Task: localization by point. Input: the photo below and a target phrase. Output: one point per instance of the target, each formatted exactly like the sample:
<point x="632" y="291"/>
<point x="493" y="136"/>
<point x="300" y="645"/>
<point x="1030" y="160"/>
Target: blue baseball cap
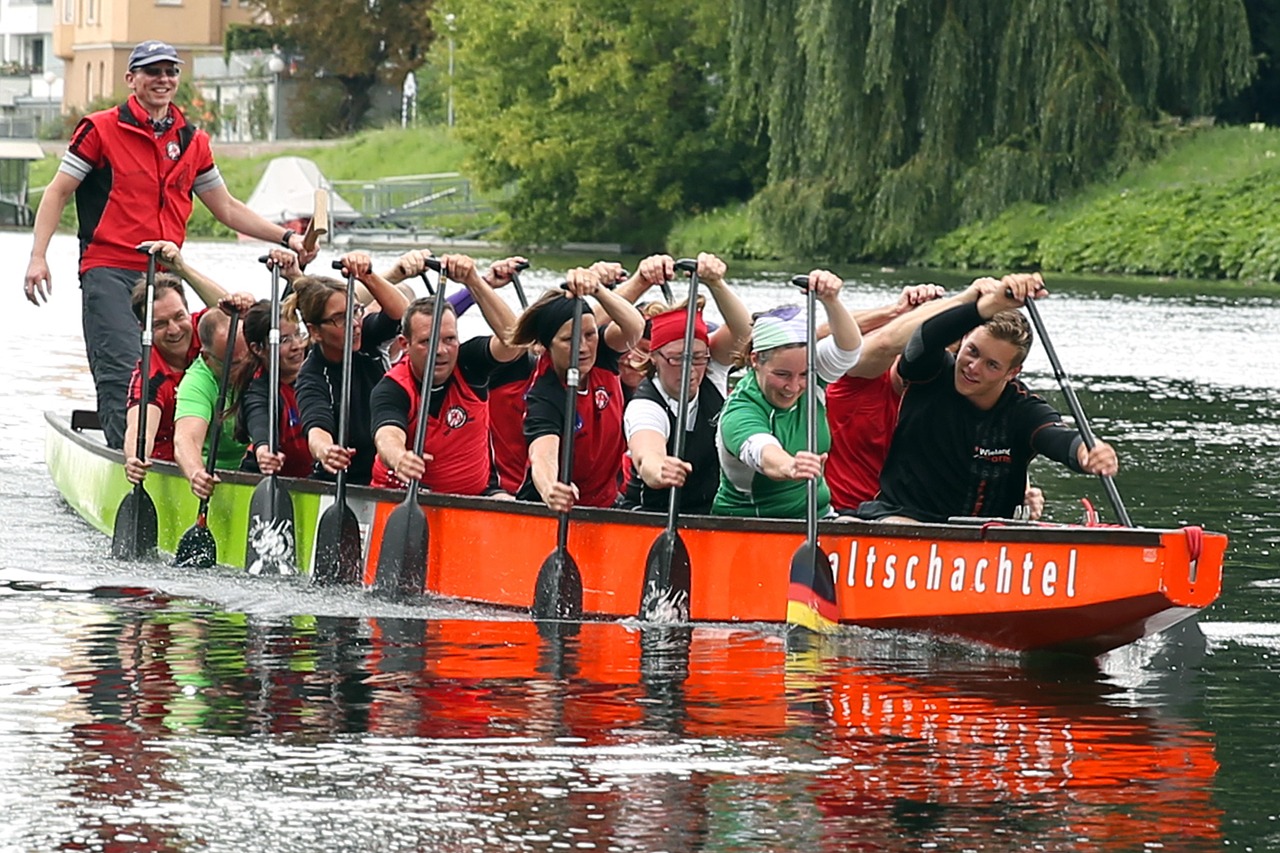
<point x="149" y="52"/>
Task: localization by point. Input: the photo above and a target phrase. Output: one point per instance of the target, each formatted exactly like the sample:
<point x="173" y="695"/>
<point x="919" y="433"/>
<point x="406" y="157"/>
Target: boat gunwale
<point x="988" y="530"/>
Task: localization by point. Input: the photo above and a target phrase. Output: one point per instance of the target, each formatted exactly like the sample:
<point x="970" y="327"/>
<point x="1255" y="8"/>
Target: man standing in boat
<point x="456" y="454"/>
<point x="133" y="170"/>
<point x="968" y="428"/>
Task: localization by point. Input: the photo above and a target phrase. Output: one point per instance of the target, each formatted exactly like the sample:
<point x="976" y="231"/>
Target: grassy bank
<point x="365" y="156"/>
<point x="1208" y="209"/>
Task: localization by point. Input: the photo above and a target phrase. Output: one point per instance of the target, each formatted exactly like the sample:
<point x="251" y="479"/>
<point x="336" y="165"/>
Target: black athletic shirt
<point x="950" y="458"/>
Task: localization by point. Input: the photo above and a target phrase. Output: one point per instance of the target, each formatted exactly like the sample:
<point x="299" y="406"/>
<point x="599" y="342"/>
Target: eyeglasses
<point x="298" y="337"/>
<point x="340" y="319"/>
<point x="698" y="360"/>
<point x="156" y="70"/>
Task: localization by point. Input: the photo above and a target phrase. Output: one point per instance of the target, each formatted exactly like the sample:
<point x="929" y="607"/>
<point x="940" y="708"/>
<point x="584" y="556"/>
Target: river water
<point x="143" y="708"/>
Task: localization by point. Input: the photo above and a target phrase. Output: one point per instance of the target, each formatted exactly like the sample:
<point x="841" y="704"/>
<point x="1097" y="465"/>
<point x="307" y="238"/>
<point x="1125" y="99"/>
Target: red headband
<point x="669" y="326"/>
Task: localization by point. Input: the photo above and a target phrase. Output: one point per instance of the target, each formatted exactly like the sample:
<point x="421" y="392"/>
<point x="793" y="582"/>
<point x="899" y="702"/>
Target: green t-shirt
<point x="197" y="396"/>
<point x="743" y="490"/>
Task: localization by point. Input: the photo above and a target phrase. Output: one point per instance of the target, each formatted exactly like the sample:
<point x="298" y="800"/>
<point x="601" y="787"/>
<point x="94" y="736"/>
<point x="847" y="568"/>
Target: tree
<point x="891" y="121"/>
<point x="359" y="43"/>
<point x="604" y="113"/>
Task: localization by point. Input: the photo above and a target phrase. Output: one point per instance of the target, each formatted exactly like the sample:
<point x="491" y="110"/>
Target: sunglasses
<point x="156" y="71"/>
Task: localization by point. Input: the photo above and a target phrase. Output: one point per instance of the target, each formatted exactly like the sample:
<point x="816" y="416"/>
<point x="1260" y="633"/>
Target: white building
<point x="30" y="75"/>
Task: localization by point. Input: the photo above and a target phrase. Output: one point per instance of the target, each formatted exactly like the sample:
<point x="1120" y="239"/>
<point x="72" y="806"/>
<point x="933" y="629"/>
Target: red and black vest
<point x="140" y="188"/>
<point x="458" y="438"/>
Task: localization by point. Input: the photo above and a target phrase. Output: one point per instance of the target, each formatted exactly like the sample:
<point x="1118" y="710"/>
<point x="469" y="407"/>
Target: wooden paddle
<point x="134" y="533"/>
<point x="197" y="548"/>
<point x="811" y="599"/>
<point x="557" y="593"/>
<point x="665" y="595"/>
<point x="1077" y="411"/>
<point x="319" y="224"/>
<point x="269" y="546"/>
<point x="402" y="559"/>
<point x="339" y="549"/>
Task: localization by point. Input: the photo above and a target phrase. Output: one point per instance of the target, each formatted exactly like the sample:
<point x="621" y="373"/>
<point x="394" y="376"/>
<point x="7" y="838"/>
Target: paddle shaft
<point x="344" y="393"/>
<point x="144" y="377"/>
<point x="686" y="374"/>
<point x="1077" y="411"/>
<point x="515" y="282"/>
<point x="811" y="413"/>
<point x="428" y="374"/>
<point x="572" y="378"/>
<point x="273" y="365"/>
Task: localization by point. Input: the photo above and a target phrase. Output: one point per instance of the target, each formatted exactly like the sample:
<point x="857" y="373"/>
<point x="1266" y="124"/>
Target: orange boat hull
<point x="1072" y="589"/>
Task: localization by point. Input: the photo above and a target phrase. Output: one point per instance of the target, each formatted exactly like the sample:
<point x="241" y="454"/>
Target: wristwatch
<point x="284" y="239"/>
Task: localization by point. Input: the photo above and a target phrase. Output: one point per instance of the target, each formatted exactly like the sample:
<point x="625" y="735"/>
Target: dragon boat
<point x="1078" y="589"/>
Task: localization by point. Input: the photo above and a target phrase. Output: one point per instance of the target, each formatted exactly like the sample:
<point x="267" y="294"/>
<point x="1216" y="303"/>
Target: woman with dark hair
<point x="322" y="303"/>
<point x="251" y="390"/>
<point x="598" y="441"/>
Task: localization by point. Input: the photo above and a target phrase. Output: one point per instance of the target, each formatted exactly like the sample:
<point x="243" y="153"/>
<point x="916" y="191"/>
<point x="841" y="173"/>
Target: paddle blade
<point x="338" y="547"/>
<point x="269" y="548"/>
<point x="402" y="561"/>
<point x="666" y="580"/>
<point x="811" y="596"/>
<point x="557" y="594"/>
<point x="134" y="534"/>
<point x="197" y="548"/>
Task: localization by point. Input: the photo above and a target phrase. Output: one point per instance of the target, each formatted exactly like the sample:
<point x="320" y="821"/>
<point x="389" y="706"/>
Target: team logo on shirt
<point x="602" y="399"/>
<point x="172" y="150"/>
<point x="455" y="418"/>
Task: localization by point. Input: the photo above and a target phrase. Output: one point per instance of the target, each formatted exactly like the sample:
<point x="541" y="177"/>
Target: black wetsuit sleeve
<point x="544" y="408"/>
<point x="476" y="364"/>
<point x="389" y="405"/>
<point x="315" y="400"/>
<point x="254" y="409"/>
<point x="925" y="353"/>
<point x="1058" y="442"/>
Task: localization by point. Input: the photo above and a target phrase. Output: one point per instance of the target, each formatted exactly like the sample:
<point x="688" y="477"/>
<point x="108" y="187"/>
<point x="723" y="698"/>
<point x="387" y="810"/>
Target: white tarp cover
<point x="287" y="191"/>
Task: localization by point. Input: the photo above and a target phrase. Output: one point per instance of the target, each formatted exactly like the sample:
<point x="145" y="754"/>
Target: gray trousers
<point x="112" y="341"/>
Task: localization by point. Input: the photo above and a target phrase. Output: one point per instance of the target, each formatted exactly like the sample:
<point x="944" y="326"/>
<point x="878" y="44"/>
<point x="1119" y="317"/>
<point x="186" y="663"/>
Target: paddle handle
<point x="434" y="265"/>
<point x="1077" y="411"/>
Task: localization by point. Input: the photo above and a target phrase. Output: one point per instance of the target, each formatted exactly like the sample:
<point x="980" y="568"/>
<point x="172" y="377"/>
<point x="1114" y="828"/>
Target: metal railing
<point x="410" y="201"/>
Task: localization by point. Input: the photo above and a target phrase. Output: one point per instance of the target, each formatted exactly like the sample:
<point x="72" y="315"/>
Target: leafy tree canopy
<point x="605" y="113"/>
<point x="891" y="121"/>
<point x="357" y="42"/>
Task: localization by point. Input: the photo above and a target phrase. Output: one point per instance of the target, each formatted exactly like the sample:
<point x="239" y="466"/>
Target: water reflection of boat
<point x="651" y="731"/>
<point x="1065" y="588"/>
